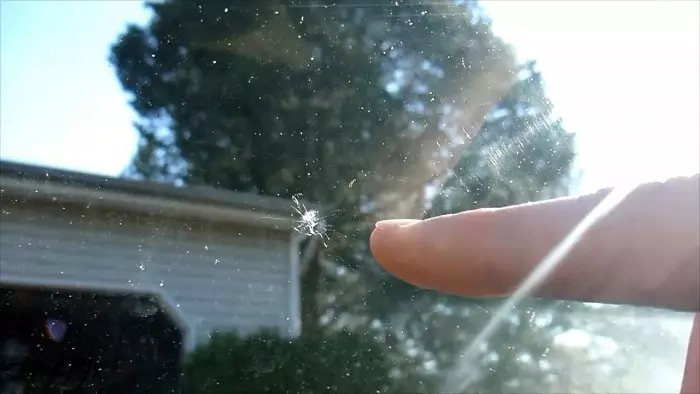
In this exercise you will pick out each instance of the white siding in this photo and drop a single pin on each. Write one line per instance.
(217, 276)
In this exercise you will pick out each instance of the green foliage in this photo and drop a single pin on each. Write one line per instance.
(268, 363)
(284, 99)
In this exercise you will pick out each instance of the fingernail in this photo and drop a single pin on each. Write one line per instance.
(394, 223)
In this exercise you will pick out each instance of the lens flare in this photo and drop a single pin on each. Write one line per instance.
(56, 329)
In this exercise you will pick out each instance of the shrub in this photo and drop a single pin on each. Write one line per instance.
(266, 362)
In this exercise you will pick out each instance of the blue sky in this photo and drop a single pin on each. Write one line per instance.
(624, 77)
(60, 103)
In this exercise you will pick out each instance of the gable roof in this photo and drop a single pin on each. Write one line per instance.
(22, 181)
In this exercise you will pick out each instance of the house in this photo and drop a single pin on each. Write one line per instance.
(207, 259)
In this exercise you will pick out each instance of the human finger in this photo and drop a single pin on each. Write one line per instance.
(646, 251)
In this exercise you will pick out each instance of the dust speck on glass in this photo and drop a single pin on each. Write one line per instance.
(201, 220)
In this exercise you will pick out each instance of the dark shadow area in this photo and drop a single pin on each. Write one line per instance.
(65, 341)
(268, 362)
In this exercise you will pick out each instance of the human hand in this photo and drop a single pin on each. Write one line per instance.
(645, 252)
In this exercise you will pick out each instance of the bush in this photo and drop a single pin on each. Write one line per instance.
(269, 363)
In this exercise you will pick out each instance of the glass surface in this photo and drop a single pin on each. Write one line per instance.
(188, 188)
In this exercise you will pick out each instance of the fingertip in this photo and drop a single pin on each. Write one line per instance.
(390, 224)
(442, 253)
(379, 241)
(389, 244)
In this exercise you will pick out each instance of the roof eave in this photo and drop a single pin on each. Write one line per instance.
(191, 193)
(57, 192)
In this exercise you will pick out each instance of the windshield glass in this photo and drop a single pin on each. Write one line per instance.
(189, 188)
